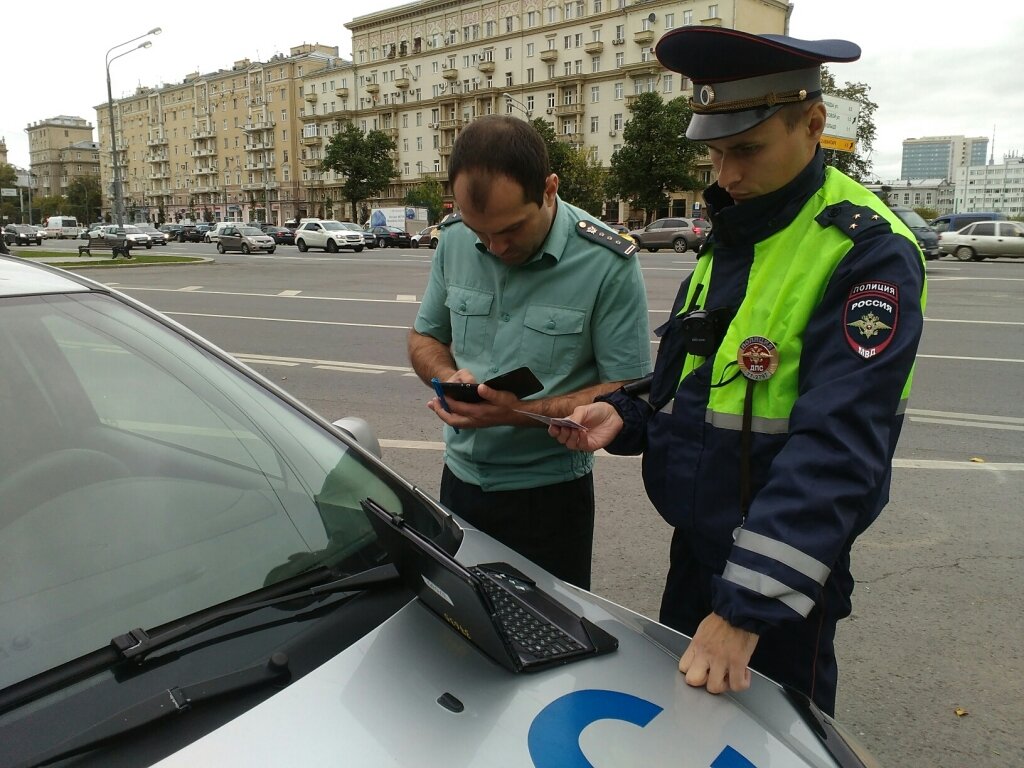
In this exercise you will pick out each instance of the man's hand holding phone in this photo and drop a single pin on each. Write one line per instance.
(466, 404)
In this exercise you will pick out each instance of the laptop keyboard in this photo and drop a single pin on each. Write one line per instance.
(540, 638)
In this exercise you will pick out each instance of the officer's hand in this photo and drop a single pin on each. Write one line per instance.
(602, 421)
(718, 655)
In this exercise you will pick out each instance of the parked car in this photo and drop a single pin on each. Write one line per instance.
(391, 237)
(428, 236)
(245, 239)
(368, 239)
(203, 543)
(212, 235)
(674, 232)
(927, 238)
(22, 234)
(137, 237)
(621, 230)
(328, 234)
(156, 237)
(171, 230)
(953, 222)
(194, 233)
(129, 232)
(983, 240)
(281, 235)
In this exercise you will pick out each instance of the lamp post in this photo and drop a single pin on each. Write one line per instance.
(118, 202)
(518, 105)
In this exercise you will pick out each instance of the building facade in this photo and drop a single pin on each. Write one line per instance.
(939, 157)
(248, 143)
(60, 150)
(995, 187)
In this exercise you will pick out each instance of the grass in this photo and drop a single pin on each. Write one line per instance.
(70, 261)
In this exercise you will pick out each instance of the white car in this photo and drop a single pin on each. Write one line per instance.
(197, 570)
(984, 239)
(328, 234)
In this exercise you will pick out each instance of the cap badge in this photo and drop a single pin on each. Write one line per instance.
(758, 358)
(706, 95)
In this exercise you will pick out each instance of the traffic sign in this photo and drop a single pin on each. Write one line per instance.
(8, 192)
(841, 126)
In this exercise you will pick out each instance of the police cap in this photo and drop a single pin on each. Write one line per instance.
(740, 79)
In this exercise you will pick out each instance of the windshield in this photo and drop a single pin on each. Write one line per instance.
(332, 225)
(143, 479)
(251, 231)
(132, 230)
(911, 219)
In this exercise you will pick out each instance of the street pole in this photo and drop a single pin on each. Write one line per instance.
(118, 197)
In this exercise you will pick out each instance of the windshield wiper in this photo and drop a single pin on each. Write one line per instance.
(171, 701)
(138, 643)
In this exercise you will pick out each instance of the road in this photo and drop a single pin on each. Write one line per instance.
(937, 610)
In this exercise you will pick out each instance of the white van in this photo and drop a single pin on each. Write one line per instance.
(62, 226)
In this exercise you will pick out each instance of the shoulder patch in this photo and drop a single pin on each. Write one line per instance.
(455, 218)
(870, 317)
(597, 234)
(855, 221)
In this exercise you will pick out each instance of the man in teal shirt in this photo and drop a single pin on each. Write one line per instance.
(524, 278)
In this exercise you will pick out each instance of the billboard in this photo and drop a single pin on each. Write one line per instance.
(841, 125)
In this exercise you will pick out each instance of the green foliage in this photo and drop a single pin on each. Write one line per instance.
(363, 160)
(84, 198)
(855, 164)
(656, 157)
(429, 195)
(49, 205)
(8, 176)
(927, 213)
(580, 178)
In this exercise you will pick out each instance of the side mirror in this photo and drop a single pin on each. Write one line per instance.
(360, 431)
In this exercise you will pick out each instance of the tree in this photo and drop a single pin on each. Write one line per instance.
(656, 157)
(429, 195)
(855, 164)
(84, 198)
(364, 160)
(580, 178)
(49, 205)
(8, 175)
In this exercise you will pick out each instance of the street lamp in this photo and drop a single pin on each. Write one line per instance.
(118, 202)
(518, 104)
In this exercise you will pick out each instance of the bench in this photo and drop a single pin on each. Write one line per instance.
(115, 247)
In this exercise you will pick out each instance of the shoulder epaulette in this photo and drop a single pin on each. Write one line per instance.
(455, 218)
(855, 221)
(606, 237)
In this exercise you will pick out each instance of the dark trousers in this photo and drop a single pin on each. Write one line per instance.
(552, 525)
(800, 654)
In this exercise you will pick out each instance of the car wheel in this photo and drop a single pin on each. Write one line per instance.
(381, 243)
(679, 245)
(271, 250)
(332, 247)
(206, 239)
(245, 249)
(220, 247)
(652, 250)
(433, 242)
(39, 242)
(358, 248)
(149, 245)
(301, 245)
(964, 253)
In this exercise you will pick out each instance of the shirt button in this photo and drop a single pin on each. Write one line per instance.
(551, 323)
(494, 369)
(506, 317)
(462, 307)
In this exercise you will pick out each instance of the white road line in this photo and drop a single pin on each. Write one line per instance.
(289, 293)
(191, 288)
(312, 361)
(971, 416)
(406, 297)
(346, 369)
(287, 320)
(974, 322)
(978, 359)
(965, 423)
(250, 360)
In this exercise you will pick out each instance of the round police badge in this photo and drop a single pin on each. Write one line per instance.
(758, 358)
(706, 95)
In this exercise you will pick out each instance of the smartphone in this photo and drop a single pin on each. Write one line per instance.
(521, 382)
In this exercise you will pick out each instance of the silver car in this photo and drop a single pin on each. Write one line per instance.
(245, 239)
(984, 239)
(679, 234)
(190, 576)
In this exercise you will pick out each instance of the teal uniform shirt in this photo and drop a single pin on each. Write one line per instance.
(575, 313)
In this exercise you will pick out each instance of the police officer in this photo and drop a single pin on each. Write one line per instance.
(782, 376)
(523, 278)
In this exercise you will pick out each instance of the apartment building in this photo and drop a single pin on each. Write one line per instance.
(219, 145)
(992, 187)
(61, 149)
(939, 157)
(248, 142)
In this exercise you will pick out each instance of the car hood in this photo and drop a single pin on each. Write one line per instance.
(377, 704)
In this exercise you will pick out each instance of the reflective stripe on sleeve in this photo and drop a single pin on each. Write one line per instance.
(758, 424)
(783, 553)
(769, 587)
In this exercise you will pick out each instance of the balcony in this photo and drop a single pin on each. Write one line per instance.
(450, 124)
(594, 46)
(569, 109)
(570, 138)
(259, 126)
(154, 158)
(445, 150)
(203, 133)
(257, 166)
(644, 37)
(205, 190)
(641, 69)
(258, 145)
(549, 54)
(310, 141)
(203, 152)
(156, 141)
(372, 88)
(311, 162)
(450, 74)
(311, 97)
(204, 171)
(439, 175)
(156, 175)
(391, 133)
(486, 66)
(260, 185)
(342, 92)
(402, 82)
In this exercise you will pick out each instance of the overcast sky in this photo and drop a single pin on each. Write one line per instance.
(934, 69)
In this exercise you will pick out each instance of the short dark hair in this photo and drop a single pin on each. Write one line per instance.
(501, 145)
(792, 113)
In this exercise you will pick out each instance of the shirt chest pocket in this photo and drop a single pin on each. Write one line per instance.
(552, 338)
(470, 310)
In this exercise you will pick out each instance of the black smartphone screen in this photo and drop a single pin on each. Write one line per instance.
(521, 382)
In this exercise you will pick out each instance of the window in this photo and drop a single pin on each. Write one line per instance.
(687, 18)
(577, 39)
(508, 54)
(532, 18)
(552, 14)
(595, 94)
(529, 50)
(618, 91)
(508, 79)
(551, 100)
(568, 42)
(620, 60)
(529, 103)
(529, 75)
(419, 143)
(617, 121)
(666, 83)
(509, 26)
(620, 31)
(713, 11)
(595, 124)
(670, 20)
(595, 64)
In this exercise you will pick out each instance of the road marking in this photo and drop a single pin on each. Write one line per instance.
(289, 293)
(975, 322)
(287, 320)
(247, 360)
(979, 359)
(406, 297)
(191, 288)
(345, 369)
(971, 416)
(341, 364)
